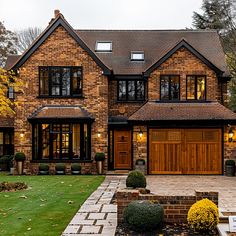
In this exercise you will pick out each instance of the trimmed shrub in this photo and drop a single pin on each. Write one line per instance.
(143, 215)
(20, 156)
(136, 179)
(60, 167)
(99, 156)
(230, 162)
(203, 216)
(43, 167)
(76, 167)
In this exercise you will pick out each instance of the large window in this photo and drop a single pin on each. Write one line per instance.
(6, 142)
(131, 90)
(170, 87)
(196, 87)
(60, 81)
(61, 141)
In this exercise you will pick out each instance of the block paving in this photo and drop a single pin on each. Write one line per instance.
(98, 215)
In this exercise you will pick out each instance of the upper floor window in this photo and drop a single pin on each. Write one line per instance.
(196, 87)
(60, 81)
(170, 88)
(131, 90)
(103, 46)
(137, 56)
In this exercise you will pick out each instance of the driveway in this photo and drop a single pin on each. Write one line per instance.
(186, 185)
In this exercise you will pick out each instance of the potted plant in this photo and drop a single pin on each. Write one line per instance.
(43, 169)
(75, 169)
(4, 163)
(230, 168)
(60, 169)
(20, 158)
(99, 158)
(140, 165)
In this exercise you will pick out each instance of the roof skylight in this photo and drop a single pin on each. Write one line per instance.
(137, 56)
(102, 46)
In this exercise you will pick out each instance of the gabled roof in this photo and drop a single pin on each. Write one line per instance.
(162, 111)
(156, 45)
(58, 21)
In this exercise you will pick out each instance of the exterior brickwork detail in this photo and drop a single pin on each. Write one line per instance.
(175, 207)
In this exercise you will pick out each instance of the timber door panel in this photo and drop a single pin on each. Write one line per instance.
(185, 151)
(122, 149)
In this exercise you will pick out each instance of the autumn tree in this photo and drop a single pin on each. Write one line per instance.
(221, 16)
(25, 37)
(8, 41)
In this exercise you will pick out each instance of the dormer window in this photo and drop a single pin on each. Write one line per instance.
(102, 46)
(137, 56)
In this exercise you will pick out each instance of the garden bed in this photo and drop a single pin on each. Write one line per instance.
(165, 230)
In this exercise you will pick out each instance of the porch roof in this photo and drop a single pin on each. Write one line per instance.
(162, 111)
(61, 112)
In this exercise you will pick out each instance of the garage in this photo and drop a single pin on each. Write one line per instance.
(185, 151)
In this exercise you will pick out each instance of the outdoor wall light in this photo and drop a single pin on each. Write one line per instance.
(22, 135)
(231, 134)
(140, 134)
(99, 134)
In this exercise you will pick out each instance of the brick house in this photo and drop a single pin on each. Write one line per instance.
(158, 95)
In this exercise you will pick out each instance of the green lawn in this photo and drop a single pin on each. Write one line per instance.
(46, 207)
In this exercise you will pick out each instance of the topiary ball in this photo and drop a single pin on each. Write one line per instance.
(203, 216)
(136, 179)
(143, 215)
(20, 156)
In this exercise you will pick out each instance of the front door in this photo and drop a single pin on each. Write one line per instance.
(122, 149)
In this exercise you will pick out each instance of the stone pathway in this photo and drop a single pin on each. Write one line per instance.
(98, 215)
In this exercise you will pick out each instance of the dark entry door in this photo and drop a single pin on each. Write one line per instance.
(122, 149)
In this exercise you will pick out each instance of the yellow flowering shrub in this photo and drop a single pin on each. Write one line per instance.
(203, 215)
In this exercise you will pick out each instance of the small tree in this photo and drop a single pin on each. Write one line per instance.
(8, 79)
(25, 38)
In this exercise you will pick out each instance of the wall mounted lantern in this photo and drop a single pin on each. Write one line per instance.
(99, 134)
(231, 134)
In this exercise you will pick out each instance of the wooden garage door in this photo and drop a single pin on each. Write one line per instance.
(185, 151)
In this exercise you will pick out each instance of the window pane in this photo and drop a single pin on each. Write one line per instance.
(43, 80)
(35, 143)
(200, 88)
(65, 81)
(1, 137)
(10, 92)
(85, 141)
(104, 46)
(56, 141)
(140, 90)
(164, 88)
(174, 88)
(122, 90)
(76, 141)
(137, 56)
(131, 90)
(76, 81)
(45, 141)
(55, 81)
(190, 87)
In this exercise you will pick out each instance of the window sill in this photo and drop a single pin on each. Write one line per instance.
(61, 161)
(60, 97)
(136, 101)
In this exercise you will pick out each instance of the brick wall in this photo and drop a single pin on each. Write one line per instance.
(120, 108)
(175, 207)
(60, 49)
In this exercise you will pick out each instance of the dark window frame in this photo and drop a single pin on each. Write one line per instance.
(169, 87)
(61, 159)
(126, 96)
(50, 82)
(195, 89)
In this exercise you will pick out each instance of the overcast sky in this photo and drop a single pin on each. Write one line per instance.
(101, 14)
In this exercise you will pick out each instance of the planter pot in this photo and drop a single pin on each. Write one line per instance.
(4, 167)
(75, 172)
(43, 172)
(60, 172)
(20, 167)
(99, 167)
(12, 171)
(230, 170)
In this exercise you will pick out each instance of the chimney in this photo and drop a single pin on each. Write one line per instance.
(56, 13)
